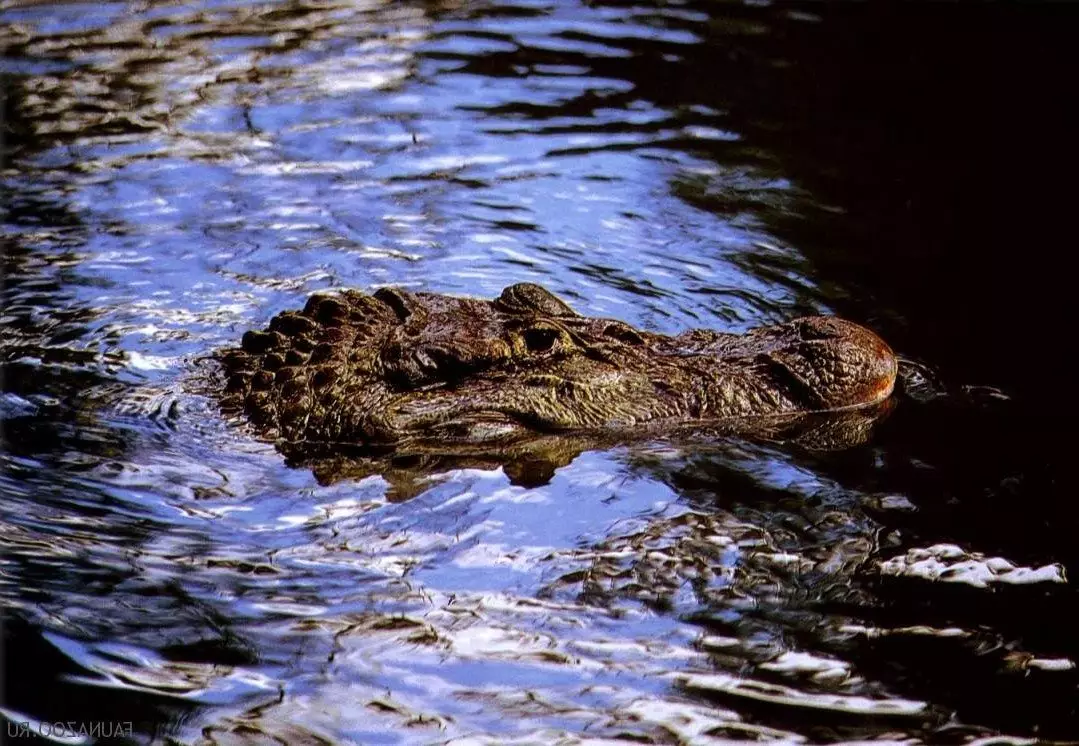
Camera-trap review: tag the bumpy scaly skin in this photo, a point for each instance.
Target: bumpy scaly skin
(397, 367)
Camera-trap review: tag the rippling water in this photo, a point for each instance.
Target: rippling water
(177, 173)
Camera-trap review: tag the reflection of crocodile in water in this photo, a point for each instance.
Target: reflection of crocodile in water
(421, 373)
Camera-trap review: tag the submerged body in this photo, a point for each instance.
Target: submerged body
(397, 367)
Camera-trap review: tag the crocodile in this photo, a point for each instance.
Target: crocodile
(421, 373)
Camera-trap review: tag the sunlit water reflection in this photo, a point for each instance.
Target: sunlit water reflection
(178, 173)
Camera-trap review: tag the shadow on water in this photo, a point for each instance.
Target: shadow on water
(932, 145)
(174, 175)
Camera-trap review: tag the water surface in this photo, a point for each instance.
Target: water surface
(177, 173)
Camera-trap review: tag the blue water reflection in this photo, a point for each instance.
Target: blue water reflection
(177, 174)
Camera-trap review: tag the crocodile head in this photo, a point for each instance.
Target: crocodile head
(398, 368)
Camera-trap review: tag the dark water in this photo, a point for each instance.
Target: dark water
(174, 174)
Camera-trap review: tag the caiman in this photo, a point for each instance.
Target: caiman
(417, 372)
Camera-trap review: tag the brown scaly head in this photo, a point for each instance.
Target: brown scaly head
(397, 368)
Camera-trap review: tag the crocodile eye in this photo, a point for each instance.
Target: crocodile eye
(396, 300)
(527, 297)
(540, 339)
(623, 333)
(426, 360)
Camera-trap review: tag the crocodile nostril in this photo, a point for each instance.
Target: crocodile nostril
(820, 327)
